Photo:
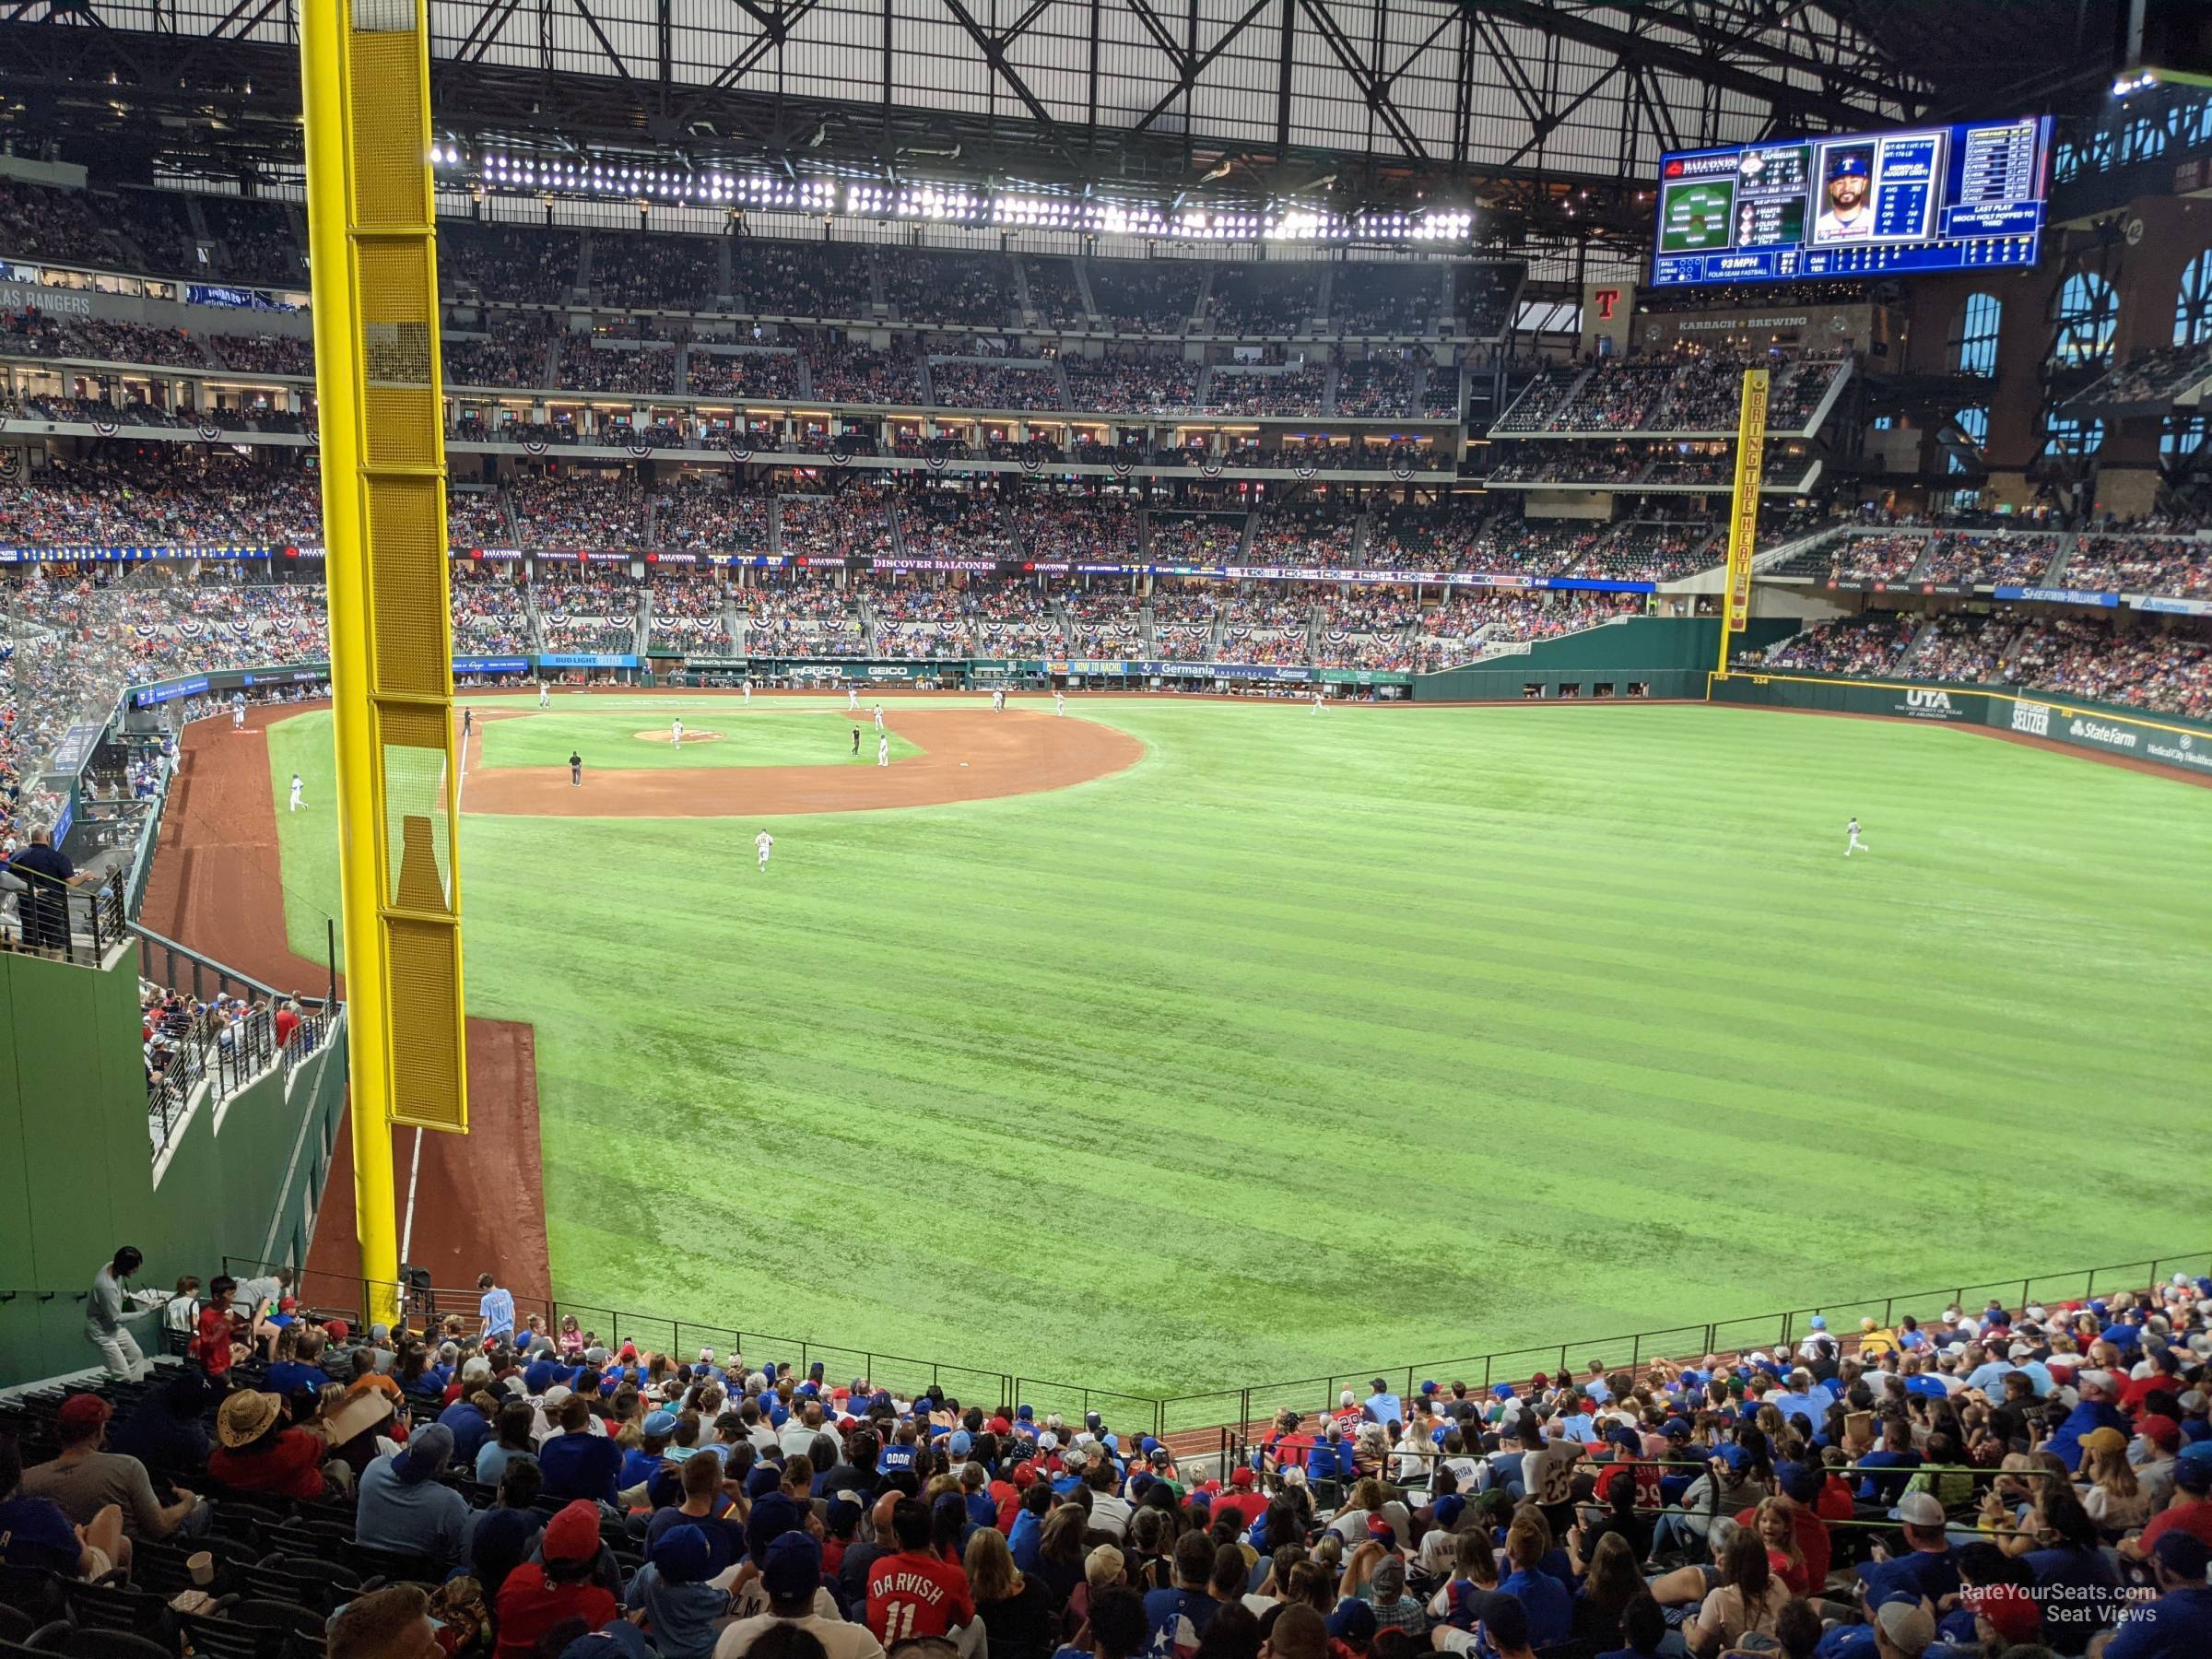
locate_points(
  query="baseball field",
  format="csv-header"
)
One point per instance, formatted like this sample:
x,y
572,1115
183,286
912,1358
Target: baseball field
x,y
1270,1045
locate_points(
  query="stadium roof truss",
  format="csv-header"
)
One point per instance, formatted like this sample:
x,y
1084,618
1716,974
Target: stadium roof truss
x,y
1234,99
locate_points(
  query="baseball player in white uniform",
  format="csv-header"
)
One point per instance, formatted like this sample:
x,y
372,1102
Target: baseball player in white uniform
x,y
764,843
748,694
544,700
676,732
237,713
998,699
298,793
883,751
1853,845
879,717
851,701
1059,703
1316,702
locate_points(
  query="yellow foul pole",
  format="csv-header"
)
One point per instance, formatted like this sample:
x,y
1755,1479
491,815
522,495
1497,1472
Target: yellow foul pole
x,y
1743,513
371,238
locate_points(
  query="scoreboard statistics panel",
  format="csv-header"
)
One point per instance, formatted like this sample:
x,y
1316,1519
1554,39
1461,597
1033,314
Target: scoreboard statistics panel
x,y
1941,198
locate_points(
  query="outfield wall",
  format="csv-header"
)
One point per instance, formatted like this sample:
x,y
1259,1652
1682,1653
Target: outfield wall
x,y
2170,740
1666,656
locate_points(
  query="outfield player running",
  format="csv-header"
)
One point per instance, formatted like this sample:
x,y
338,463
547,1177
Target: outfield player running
x,y
764,843
1854,845
299,796
1316,702
675,734
883,751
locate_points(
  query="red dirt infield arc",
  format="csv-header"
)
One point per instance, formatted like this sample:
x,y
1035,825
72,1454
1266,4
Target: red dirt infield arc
x,y
478,1199
968,755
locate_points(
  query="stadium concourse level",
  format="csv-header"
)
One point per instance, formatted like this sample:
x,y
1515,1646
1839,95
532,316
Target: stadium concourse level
x,y
1969,1479
2169,566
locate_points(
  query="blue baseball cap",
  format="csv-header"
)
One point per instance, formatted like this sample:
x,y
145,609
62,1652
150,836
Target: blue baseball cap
x,y
660,1422
1850,164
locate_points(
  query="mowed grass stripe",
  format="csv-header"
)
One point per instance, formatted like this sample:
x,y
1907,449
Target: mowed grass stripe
x,y
1548,1014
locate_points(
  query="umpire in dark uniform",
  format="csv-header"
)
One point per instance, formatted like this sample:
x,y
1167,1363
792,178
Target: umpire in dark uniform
x,y
575,768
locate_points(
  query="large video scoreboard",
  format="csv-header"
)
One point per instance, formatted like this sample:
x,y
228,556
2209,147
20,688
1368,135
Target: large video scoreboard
x,y
1944,198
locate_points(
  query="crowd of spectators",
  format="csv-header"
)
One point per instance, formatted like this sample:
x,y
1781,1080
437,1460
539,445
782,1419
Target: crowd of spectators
x,y
255,238
266,353
1989,560
1147,296
691,606
1102,623
1468,626
596,511
1208,538
969,385
31,332
1074,528
1876,557
1129,380
1374,297
2153,377
1379,386
803,617
1054,295
587,365
1264,297
843,373
934,285
508,262
699,513
491,612
65,225
2174,567
1547,393
586,610
510,351
953,524
1868,643
185,499
853,521
1232,390
1014,619
742,373
801,279
1325,533
657,270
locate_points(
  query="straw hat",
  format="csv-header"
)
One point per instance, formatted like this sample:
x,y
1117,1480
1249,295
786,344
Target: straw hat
x,y
245,1416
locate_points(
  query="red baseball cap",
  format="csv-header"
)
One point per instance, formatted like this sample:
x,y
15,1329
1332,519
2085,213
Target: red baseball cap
x,y
81,1413
1239,1476
2011,1610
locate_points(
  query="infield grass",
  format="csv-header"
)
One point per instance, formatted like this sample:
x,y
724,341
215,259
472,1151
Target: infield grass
x,y
1389,1036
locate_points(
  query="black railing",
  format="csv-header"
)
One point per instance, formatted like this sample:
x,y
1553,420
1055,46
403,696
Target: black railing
x,y
1218,1409
78,924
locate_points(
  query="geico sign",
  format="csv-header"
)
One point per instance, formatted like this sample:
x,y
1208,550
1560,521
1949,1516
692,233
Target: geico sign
x,y
2032,718
2096,731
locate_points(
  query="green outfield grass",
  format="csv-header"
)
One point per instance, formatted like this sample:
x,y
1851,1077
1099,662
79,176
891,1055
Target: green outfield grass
x,y
765,735
1385,1036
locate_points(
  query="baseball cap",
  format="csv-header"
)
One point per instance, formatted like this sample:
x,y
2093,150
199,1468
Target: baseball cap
x,y
1919,1509
2194,1474
1803,1484
428,1450
793,1567
1448,1509
1819,1323
82,1413
2103,1438
1240,1476
959,1442
682,1557
2162,1431
1908,1626
1354,1620
661,1423
1850,164
573,1533
2010,1609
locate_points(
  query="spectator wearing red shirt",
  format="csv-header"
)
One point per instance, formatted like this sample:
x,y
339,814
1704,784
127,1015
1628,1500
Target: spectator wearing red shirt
x,y
286,1021
915,1592
211,1346
539,1594
260,1452
1802,1492
1242,1499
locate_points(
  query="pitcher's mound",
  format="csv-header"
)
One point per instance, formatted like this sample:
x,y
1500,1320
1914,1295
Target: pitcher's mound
x,y
691,734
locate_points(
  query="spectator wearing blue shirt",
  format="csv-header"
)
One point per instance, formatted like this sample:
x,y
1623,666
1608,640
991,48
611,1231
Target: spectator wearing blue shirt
x,y
1895,1453
2179,1624
1331,1458
496,1306
1594,1387
403,1505
576,1462
1549,1607
2093,1409
469,1424
1382,1405
1027,1533
639,1465
1928,1567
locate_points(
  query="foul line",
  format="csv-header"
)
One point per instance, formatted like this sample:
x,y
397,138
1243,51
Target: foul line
x,y
406,1230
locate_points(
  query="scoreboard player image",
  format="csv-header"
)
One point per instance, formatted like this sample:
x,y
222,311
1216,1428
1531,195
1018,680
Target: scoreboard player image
x,y
1847,195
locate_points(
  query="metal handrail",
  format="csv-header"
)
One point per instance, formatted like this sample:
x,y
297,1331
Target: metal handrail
x,y
1233,1407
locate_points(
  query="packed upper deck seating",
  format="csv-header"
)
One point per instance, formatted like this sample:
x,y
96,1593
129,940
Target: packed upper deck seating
x,y
699,513
1196,538
1320,534
1378,385
953,524
970,385
771,277
586,609
1053,294
1132,381
508,262
1147,296
590,365
854,520
657,270
936,286
1263,298
266,353
597,512
40,222
844,373
1072,528
256,238
1297,390
2174,567
492,616
1371,297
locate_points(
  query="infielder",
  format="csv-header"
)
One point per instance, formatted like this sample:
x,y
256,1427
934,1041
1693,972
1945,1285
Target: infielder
x,y
298,793
879,717
238,716
676,732
851,701
764,843
543,701
998,699
883,751
1316,702
749,693
1853,845
1059,703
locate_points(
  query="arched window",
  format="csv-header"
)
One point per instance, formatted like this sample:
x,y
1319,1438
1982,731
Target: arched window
x,y
2068,435
2192,309
1974,340
2089,312
1975,423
